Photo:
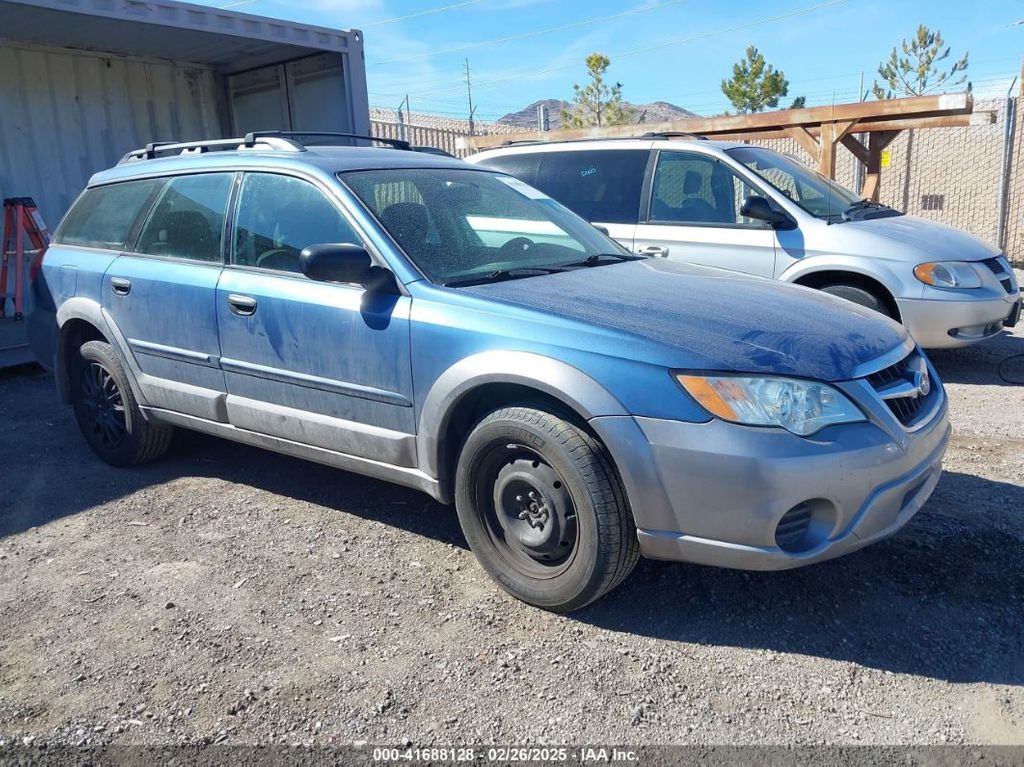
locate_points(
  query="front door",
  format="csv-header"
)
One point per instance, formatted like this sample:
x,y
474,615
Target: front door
x,y
162,295
324,364
693,215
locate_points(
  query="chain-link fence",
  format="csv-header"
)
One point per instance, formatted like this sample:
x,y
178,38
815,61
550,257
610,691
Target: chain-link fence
x,y
956,176
433,130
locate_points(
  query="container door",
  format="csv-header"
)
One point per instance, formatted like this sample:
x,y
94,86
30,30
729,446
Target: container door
x,y
306,94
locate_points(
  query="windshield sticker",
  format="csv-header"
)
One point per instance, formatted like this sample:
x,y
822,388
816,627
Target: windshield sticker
x,y
524,189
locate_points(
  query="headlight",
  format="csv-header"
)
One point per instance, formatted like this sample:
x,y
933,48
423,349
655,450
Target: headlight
x,y
802,407
948,274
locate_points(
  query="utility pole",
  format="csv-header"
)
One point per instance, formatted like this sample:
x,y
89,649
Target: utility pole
x,y
469,95
402,133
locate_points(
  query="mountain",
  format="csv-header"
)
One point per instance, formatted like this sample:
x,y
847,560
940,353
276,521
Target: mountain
x,y
658,111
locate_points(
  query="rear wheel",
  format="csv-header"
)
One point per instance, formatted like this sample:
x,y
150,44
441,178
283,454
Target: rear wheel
x,y
542,509
107,412
859,295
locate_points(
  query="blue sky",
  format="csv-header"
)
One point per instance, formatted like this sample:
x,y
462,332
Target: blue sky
x,y
661,50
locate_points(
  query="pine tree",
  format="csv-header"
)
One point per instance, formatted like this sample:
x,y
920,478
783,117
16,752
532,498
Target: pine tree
x,y
597,103
919,70
755,84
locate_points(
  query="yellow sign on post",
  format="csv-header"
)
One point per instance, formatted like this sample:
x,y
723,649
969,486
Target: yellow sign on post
x,y
886,158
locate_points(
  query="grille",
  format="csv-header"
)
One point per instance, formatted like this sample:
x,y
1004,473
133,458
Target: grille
x,y
995,265
906,409
792,528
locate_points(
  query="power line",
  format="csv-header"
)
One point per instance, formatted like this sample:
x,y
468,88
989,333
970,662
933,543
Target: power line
x,y
666,43
418,14
525,35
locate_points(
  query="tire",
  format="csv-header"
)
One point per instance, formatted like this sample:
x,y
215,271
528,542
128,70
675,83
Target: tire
x,y
858,295
107,412
543,510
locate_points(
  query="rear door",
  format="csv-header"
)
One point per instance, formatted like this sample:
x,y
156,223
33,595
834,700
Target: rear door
x,y
692,213
324,364
162,294
603,186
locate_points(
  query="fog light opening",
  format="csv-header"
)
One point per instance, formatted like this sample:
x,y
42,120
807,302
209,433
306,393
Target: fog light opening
x,y
805,526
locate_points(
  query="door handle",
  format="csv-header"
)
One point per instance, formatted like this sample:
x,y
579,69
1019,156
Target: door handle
x,y
653,250
121,286
243,306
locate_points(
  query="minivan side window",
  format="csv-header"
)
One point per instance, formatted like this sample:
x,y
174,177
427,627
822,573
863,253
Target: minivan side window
x,y
601,186
690,188
104,216
278,216
188,218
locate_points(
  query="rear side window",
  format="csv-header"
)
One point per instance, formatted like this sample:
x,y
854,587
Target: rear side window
x,y
601,186
188,218
104,216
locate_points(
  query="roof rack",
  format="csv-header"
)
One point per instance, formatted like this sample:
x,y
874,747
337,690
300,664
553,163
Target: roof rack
x,y
278,141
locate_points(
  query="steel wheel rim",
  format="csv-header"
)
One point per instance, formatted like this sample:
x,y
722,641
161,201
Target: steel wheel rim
x,y
104,405
527,511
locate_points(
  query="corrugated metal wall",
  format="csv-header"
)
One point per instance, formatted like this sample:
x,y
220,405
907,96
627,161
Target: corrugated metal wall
x,y
65,114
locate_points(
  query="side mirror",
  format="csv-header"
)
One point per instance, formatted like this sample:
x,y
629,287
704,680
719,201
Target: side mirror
x,y
758,207
336,262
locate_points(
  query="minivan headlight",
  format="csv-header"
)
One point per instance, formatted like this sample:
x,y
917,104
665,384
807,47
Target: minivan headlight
x,y
948,274
801,407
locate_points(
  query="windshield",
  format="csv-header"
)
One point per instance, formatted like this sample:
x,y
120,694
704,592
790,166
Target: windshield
x,y
815,193
460,225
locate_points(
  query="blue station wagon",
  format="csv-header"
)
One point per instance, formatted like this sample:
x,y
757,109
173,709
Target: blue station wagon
x,y
417,319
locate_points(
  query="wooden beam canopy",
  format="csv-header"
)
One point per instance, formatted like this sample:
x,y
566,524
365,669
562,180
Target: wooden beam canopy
x,y
818,130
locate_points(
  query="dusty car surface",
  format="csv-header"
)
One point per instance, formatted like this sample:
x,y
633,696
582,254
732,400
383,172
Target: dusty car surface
x,y
452,329
753,210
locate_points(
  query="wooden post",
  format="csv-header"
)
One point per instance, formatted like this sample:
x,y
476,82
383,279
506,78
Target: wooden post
x,y
872,179
827,150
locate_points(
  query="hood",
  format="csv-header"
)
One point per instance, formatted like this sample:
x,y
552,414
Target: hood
x,y
691,317
936,241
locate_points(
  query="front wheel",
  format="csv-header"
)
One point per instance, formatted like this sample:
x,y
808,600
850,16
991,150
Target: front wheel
x,y
862,296
542,509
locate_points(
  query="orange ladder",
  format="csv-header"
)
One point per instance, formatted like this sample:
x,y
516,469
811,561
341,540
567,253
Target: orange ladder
x,y
21,218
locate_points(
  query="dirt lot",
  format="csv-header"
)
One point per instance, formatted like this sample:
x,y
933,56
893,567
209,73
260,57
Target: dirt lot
x,y
229,594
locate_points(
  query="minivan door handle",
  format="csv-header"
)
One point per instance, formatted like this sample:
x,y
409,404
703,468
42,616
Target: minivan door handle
x,y
654,250
121,286
243,306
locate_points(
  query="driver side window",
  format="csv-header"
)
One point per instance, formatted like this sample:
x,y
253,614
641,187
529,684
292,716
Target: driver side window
x,y
697,189
278,216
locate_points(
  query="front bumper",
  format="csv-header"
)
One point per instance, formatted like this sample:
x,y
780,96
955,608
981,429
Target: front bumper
x,y
714,493
945,324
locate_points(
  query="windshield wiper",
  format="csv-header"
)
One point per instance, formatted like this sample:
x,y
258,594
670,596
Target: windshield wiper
x,y
504,274
595,260
862,207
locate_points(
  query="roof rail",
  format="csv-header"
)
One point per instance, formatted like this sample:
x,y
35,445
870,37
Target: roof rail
x,y
667,134
652,135
278,141
296,135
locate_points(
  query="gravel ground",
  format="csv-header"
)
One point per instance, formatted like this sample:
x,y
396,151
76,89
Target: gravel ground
x,y
225,594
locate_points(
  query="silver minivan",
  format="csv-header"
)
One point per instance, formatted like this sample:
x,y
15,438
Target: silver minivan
x,y
754,210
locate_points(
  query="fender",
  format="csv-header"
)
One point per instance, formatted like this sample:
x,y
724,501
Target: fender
x,y
89,310
557,379
839,263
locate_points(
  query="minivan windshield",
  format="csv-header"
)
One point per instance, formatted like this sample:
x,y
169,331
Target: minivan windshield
x,y
462,226
815,193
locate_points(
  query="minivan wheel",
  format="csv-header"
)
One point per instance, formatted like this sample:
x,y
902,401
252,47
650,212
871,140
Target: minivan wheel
x,y
107,412
858,295
542,509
